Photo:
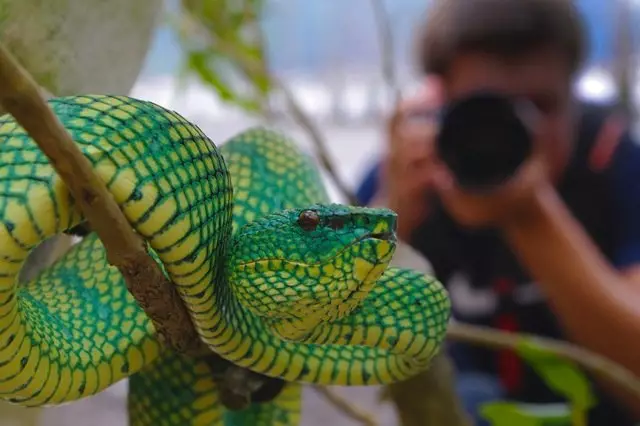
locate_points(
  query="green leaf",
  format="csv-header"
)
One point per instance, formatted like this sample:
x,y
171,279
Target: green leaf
x,y
200,63
561,375
507,414
504,413
261,82
235,24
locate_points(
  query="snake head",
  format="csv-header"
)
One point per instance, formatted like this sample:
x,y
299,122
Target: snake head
x,y
299,267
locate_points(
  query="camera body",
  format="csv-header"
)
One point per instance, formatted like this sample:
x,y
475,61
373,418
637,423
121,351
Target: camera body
x,y
484,138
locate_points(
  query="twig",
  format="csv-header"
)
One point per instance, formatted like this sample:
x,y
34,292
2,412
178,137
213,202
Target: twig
x,y
387,50
318,141
50,250
596,364
21,97
253,68
345,406
302,118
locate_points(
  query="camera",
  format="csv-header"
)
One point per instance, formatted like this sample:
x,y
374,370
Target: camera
x,y
484,138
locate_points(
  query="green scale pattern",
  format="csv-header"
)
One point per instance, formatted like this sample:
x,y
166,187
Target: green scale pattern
x,y
262,164
268,174
306,305
167,178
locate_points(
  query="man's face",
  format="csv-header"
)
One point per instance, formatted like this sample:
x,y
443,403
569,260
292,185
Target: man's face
x,y
542,78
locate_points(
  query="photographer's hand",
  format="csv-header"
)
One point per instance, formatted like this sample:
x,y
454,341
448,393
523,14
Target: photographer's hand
x,y
512,201
498,208
596,302
407,174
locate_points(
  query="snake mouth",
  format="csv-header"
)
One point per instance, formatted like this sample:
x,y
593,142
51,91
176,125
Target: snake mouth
x,y
384,236
388,236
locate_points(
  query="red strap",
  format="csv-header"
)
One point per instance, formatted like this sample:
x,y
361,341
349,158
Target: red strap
x,y
509,365
606,143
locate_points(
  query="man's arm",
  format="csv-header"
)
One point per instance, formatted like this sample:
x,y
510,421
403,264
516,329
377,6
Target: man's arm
x,y
598,302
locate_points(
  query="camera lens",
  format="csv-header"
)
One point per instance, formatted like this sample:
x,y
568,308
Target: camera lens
x,y
483,139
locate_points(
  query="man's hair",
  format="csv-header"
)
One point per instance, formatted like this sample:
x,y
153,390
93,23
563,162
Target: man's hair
x,y
502,28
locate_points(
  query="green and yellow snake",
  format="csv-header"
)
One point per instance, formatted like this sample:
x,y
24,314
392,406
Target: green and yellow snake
x,y
275,278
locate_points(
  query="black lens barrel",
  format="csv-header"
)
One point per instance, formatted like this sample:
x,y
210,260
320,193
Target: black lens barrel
x,y
484,138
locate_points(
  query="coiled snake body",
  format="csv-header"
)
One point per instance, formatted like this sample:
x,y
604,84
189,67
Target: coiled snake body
x,y
284,283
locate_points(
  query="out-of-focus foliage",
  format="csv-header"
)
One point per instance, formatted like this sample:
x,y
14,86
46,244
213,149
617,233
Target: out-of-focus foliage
x,y
512,414
563,377
223,46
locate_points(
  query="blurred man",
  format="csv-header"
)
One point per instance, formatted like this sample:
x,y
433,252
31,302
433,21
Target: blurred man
x,y
556,250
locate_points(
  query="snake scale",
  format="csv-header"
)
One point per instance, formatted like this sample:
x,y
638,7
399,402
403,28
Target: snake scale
x,y
275,277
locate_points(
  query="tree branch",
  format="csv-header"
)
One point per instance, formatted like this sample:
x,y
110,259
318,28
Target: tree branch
x,y
387,51
299,116
21,97
592,362
319,142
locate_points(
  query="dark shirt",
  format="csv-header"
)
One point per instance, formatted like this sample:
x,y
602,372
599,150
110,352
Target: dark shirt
x,y
601,187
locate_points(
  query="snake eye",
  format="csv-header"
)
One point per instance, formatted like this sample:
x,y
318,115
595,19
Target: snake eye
x,y
308,220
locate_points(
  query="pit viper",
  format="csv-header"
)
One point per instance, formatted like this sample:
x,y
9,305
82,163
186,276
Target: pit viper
x,y
275,277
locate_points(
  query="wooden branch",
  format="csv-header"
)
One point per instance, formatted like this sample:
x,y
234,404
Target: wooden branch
x,y
20,96
592,362
48,251
300,117
387,50
319,142
345,406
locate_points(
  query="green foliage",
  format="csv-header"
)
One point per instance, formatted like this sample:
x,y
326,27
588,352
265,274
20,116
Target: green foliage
x,y
512,414
203,63
562,376
223,45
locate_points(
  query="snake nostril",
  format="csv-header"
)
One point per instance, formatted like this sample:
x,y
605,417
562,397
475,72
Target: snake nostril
x,y
336,223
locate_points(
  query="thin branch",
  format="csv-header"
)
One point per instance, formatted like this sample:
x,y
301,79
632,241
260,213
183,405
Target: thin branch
x,y
592,362
348,409
319,142
302,118
254,69
387,50
21,97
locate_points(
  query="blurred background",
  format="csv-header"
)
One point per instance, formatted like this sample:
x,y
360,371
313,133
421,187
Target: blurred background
x,y
328,53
